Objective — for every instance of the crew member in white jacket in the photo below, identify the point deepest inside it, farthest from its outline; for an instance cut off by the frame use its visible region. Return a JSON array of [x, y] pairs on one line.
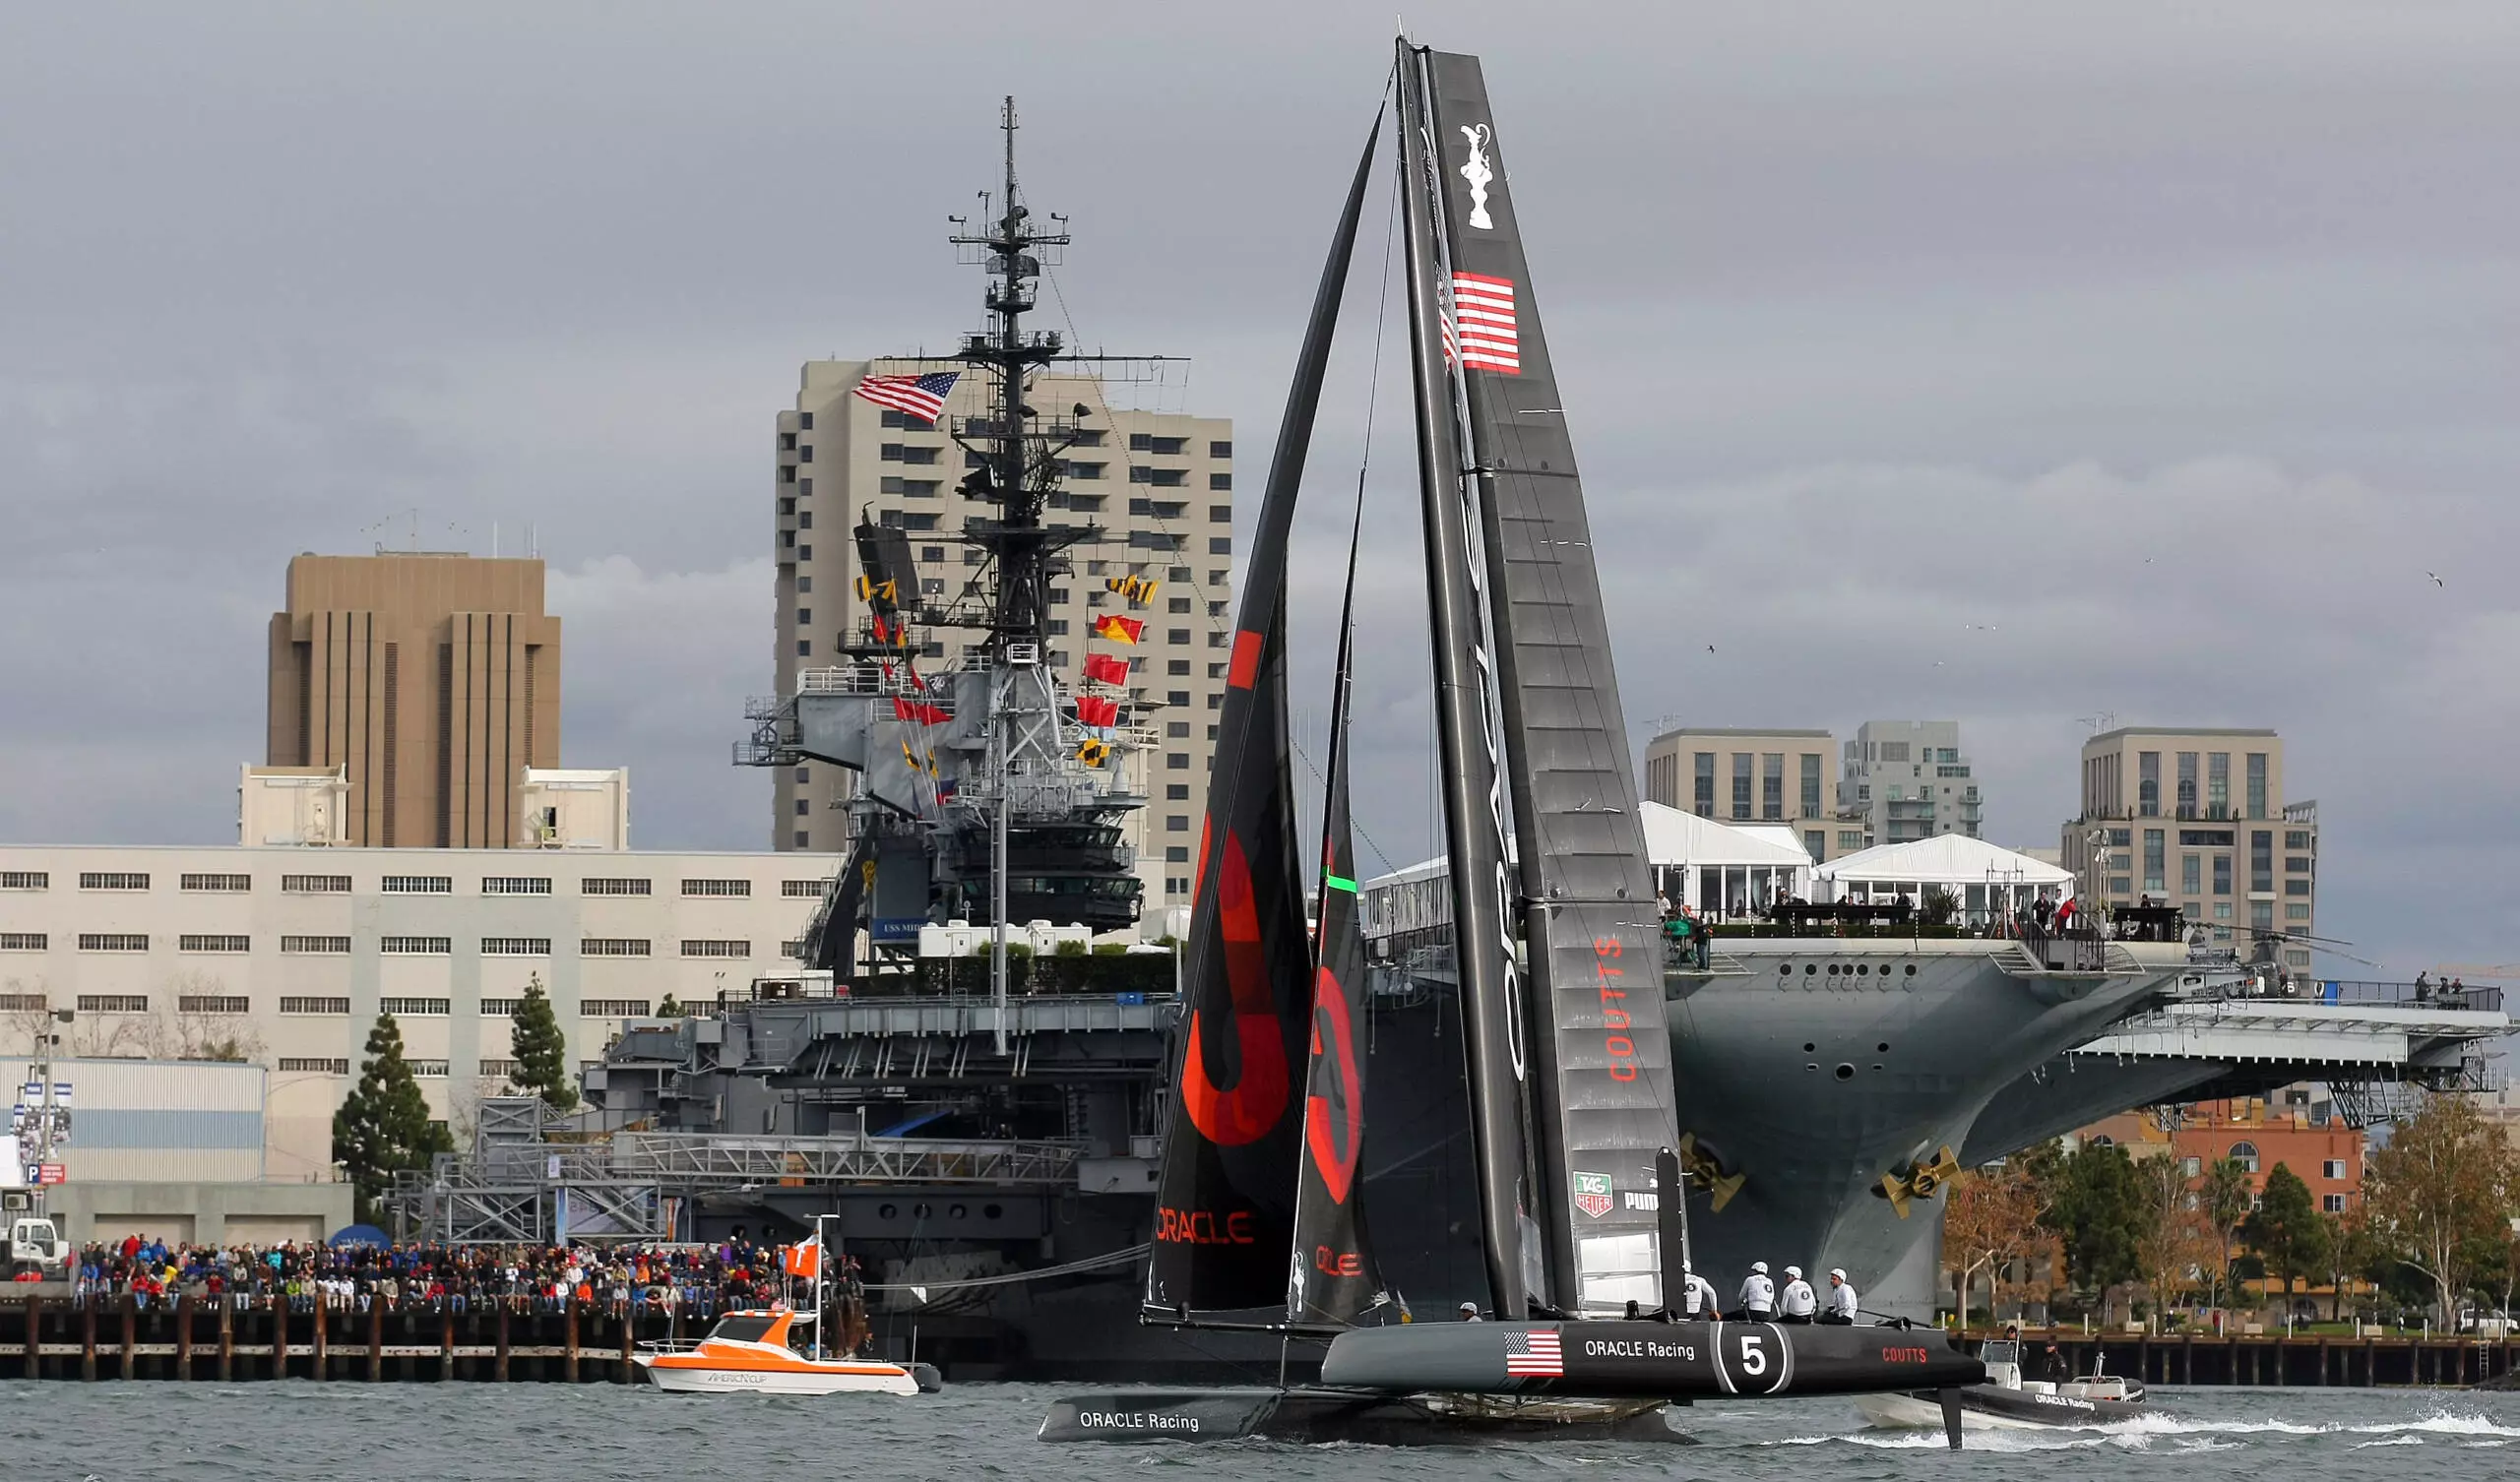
[[1795, 1304], [1758, 1294]]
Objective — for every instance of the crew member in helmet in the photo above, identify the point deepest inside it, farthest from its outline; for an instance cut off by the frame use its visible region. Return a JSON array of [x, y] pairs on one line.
[[1470, 1312], [1796, 1302], [1757, 1298], [1697, 1298], [1841, 1299]]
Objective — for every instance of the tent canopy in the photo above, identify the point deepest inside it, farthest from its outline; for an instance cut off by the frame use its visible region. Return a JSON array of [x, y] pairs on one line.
[[1677, 836], [1948, 859]]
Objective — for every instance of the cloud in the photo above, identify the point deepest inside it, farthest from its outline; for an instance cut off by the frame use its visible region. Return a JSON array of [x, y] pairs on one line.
[[1870, 325], [655, 669]]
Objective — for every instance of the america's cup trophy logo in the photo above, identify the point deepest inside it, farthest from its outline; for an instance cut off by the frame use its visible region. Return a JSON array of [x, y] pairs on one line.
[[1477, 174]]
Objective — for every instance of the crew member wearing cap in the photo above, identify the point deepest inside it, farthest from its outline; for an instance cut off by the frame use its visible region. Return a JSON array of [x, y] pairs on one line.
[[1841, 1300], [1796, 1302], [1757, 1298], [1470, 1312]]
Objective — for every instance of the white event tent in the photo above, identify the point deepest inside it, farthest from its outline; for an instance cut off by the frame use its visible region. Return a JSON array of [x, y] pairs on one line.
[[1723, 870], [1991, 883]]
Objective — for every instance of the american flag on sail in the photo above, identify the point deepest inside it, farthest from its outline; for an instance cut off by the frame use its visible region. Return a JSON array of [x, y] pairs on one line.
[[1534, 1352], [922, 397], [1482, 329]]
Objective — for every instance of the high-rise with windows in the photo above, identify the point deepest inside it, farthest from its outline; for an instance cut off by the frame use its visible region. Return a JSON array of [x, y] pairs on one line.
[[432, 678], [1909, 779], [1158, 487], [2197, 818], [1754, 777]]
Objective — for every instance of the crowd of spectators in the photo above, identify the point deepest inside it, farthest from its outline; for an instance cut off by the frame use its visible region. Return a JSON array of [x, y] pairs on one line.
[[700, 1279]]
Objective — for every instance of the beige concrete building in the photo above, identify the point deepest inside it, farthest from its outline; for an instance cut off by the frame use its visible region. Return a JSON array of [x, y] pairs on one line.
[[1158, 486], [292, 953], [2197, 818], [1755, 776], [433, 679]]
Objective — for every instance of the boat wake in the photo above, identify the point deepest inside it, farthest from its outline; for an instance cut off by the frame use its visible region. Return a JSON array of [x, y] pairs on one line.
[[2178, 1434]]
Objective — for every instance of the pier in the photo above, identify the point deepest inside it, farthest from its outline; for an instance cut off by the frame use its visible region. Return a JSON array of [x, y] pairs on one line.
[[215, 1341], [2277, 1361]]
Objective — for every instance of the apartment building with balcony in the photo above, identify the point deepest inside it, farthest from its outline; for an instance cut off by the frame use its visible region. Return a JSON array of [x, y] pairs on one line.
[[1909, 779]]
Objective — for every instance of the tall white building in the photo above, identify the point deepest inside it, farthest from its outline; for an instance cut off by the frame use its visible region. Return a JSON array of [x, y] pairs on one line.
[[1909, 779], [1161, 488]]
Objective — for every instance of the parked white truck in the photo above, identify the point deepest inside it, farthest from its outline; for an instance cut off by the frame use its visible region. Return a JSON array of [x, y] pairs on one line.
[[29, 1241]]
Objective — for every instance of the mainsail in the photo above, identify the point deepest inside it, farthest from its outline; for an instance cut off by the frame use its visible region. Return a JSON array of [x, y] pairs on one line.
[[1600, 1092], [1332, 1277], [1467, 744], [1225, 1202]]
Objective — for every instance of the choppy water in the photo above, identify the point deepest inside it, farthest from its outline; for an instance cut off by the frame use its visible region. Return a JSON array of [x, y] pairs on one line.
[[603, 1432]]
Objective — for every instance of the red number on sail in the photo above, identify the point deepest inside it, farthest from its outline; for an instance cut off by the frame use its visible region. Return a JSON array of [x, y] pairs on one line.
[[1245, 1113], [1334, 1146]]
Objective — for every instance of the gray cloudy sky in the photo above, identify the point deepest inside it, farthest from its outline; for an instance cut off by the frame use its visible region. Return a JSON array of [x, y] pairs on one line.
[[2176, 341]]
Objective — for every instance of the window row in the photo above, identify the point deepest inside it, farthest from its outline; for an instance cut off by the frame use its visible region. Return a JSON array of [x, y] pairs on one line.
[[391, 885]]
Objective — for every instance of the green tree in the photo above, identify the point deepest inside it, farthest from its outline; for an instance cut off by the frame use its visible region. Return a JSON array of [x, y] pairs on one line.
[[2351, 1254], [2286, 1231], [671, 1007], [541, 1053], [2223, 1198], [2097, 1214], [2443, 1188], [383, 1127]]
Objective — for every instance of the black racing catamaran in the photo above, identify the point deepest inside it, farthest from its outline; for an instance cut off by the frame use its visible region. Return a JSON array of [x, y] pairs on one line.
[[1260, 1207]]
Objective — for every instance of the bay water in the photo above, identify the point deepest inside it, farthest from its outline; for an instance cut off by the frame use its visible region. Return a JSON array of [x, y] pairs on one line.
[[268, 1432]]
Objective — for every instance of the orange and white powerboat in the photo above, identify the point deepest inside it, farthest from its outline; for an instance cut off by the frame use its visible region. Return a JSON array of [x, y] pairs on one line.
[[756, 1351], [752, 1352]]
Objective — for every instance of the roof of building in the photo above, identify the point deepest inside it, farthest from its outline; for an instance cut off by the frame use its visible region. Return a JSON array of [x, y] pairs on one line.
[[1946, 860], [1744, 730], [2178, 731]]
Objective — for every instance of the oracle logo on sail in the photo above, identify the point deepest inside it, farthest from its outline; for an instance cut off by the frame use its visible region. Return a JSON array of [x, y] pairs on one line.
[[1617, 1043], [1332, 1263], [1203, 1227]]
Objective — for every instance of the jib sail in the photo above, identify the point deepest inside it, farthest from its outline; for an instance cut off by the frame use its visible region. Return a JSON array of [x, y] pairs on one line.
[[1332, 1277], [1225, 1202]]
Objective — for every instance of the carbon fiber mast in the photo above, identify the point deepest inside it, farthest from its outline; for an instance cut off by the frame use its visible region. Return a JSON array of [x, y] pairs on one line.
[[1600, 1094], [1466, 737]]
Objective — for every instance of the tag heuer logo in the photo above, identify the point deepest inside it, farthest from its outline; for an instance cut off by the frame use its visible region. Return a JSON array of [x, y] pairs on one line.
[[1593, 1193]]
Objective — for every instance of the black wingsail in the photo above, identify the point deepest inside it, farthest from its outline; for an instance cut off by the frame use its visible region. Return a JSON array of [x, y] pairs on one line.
[[1225, 1204], [1332, 1277], [1465, 743], [1600, 1088]]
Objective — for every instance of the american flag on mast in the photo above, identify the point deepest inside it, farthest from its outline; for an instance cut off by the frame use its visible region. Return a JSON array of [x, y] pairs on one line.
[[1481, 327], [922, 397]]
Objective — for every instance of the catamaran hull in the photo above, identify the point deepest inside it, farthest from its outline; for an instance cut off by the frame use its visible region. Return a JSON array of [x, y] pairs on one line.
[[1612, 1360], [858, 1379], [1313, 1416], [1989, 1407]]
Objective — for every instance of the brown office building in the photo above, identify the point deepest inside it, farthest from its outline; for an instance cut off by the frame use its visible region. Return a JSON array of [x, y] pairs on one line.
[[434, 678]]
